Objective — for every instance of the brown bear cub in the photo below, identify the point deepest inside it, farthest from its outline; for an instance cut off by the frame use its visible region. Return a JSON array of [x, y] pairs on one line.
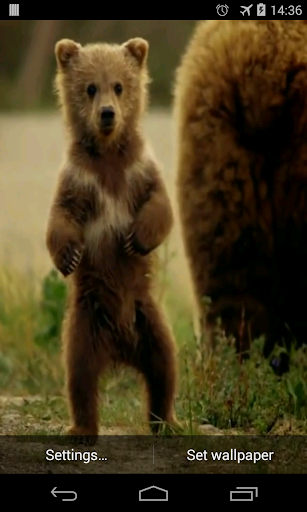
[[110, 211], [241, 111]]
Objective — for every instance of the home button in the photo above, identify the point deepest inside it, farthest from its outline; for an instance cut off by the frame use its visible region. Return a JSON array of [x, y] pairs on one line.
[[153, 493]]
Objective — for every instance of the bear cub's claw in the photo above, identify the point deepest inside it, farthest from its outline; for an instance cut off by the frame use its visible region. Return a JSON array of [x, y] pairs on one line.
[[132, 246], [71, 258], [129, 248]]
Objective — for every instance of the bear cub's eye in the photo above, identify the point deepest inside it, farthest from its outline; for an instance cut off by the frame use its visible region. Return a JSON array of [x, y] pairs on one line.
[[91, 90], [118, 89]]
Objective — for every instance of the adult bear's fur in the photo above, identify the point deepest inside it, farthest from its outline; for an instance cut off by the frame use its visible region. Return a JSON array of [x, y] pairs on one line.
[[241, 110]]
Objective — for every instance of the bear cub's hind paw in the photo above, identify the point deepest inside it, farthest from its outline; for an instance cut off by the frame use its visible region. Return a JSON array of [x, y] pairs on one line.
[[82, 435]]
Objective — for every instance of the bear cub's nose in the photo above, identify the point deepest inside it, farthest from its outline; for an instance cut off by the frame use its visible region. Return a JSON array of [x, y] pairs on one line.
[[107, 116]]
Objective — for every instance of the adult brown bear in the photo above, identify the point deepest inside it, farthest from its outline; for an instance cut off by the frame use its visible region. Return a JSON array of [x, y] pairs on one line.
[[241, 112]]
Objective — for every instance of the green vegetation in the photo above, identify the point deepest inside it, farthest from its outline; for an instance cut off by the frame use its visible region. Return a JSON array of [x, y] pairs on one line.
[[214, 388]]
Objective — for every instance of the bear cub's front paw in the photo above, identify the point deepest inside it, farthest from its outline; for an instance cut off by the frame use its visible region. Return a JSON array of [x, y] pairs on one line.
[[69, 258], [133, 246]]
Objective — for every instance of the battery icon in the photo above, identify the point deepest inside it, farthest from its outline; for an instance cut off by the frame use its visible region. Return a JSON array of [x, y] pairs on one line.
[[13, 9], [261, 10]]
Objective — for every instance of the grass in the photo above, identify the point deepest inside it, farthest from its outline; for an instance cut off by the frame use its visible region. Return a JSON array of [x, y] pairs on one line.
[[214, 387]]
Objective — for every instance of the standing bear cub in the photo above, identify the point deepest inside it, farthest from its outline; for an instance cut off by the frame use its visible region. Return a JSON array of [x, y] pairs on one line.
[[110, 211]]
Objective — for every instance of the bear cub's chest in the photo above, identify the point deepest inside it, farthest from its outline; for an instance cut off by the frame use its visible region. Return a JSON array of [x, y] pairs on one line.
[[113, 216]]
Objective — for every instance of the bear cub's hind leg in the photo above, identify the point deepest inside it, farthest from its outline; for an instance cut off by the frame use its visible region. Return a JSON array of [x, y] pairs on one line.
[[83, 367], [156, 360]]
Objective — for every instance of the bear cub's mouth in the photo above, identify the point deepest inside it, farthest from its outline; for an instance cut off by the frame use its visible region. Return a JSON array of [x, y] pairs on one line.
[[107, 130]]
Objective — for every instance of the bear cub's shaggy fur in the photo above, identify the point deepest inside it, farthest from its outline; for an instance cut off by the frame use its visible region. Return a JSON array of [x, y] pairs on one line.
[[110, 211]]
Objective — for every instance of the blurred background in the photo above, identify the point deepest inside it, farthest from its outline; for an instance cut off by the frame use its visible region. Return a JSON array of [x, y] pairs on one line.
[[32, 295], [31, 136], [27, 53]]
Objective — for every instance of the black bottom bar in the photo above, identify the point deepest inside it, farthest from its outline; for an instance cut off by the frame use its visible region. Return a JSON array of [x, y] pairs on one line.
[[129, 490]]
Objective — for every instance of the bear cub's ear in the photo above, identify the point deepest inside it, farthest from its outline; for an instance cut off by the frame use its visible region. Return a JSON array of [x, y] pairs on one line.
[[138, 48], [64, 50]]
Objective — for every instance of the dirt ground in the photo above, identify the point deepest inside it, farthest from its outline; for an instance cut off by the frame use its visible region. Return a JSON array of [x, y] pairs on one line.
[[125, 452], [43, 448], [31, 150]]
